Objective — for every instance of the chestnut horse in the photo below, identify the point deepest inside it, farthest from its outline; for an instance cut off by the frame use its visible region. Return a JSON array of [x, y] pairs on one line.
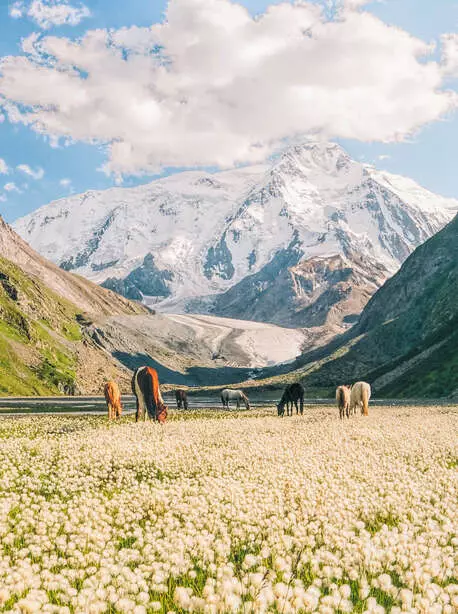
[[145, 386], [113, 399]]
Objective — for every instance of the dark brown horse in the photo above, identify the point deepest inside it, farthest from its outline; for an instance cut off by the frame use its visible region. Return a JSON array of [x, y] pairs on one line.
[[182, 399], [145, 386], [292, 394]]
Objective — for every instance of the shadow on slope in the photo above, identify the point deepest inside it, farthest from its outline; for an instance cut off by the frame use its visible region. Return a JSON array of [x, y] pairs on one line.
[[193, 376]]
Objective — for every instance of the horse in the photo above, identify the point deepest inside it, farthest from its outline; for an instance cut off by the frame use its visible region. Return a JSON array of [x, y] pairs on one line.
[[145, 386], [234, 395], [113, 399], [343, 400], [182, 399], [359, 397], [292, 394]]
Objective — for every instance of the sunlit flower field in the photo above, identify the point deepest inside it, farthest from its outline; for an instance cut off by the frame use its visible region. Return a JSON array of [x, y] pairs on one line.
[[231, 512]]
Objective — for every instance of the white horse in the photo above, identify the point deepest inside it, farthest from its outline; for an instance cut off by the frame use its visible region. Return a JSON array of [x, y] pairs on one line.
[[359, 397], [234, 395]]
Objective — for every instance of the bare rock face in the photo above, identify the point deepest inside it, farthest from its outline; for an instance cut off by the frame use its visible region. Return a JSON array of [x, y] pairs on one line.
[[302, 241]]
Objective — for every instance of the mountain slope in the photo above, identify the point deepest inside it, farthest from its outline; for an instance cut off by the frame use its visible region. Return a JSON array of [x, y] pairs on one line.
[[44, 312], [406, 341], [303, 241], [89, 297]]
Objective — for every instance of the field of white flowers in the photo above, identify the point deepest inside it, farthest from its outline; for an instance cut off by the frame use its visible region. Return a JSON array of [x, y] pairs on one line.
[[236, 513]]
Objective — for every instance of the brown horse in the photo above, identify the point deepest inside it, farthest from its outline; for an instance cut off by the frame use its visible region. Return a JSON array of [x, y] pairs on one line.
[[343, 401], [113, 399], [145, 386], [182, 399]]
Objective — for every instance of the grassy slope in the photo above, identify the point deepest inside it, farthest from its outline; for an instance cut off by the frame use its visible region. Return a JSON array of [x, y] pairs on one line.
[[38, 336]]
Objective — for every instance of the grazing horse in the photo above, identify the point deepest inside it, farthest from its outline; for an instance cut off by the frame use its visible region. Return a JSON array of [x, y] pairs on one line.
[[182, 399], [343, 400], [292, 394], [234, 395], [113, 399], [359, 397], [145, 386]]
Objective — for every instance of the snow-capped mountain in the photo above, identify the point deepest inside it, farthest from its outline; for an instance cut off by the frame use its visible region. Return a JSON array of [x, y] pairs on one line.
[[304, 240]]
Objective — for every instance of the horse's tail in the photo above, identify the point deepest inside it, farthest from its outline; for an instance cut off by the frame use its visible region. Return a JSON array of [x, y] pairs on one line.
[[107, 392], [365, 396], [340, 397], [136, 389], [223, 400]]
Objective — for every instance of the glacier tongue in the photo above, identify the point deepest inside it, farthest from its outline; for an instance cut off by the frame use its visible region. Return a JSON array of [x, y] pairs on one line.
[[305, 239]]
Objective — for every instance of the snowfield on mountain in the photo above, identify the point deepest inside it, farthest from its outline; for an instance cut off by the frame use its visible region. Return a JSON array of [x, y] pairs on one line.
[[302, 241], [248, 513]]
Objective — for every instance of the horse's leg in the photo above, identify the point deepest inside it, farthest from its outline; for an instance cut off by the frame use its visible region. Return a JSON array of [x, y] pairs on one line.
[[302, 405], [297, 407], [238, 403]]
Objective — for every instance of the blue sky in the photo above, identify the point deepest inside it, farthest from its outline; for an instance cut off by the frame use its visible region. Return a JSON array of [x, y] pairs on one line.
[[429, 156]]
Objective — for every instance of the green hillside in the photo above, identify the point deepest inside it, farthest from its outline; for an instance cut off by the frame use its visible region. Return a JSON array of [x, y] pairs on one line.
[[39, 332]]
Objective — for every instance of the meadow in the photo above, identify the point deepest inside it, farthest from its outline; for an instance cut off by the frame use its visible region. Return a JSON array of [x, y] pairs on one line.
[[219, 512]]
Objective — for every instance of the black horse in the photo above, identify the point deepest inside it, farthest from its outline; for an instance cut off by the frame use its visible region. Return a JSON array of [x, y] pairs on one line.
[[182, 399], [292, 394]]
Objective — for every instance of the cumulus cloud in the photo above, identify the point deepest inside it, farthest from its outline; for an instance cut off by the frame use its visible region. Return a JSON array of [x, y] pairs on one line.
[[4, 170], [66, 183], [213, 86], [49, 13], [25, 168]]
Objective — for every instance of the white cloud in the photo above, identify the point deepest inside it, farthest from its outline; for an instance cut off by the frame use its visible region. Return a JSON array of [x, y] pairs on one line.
[[450, 53], [25, 168], [3, 198], [4, 170], [384, 157], [214, 86], [11, 187], [66, 183], [49, 13]]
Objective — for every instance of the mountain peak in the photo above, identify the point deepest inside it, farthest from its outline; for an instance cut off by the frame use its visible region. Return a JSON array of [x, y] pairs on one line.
[[210, 232]]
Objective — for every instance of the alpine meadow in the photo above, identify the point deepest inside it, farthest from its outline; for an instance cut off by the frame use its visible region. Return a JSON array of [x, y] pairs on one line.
[[228, 307]]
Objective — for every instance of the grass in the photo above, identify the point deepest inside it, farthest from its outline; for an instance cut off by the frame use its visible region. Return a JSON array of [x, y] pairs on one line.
[[37, 330]]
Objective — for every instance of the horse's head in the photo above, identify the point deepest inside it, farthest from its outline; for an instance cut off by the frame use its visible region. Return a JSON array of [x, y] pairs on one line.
[[280, 409], [162, 413]]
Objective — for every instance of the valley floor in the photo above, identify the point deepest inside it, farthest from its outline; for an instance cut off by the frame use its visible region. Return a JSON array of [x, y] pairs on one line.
[[231, 512]]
